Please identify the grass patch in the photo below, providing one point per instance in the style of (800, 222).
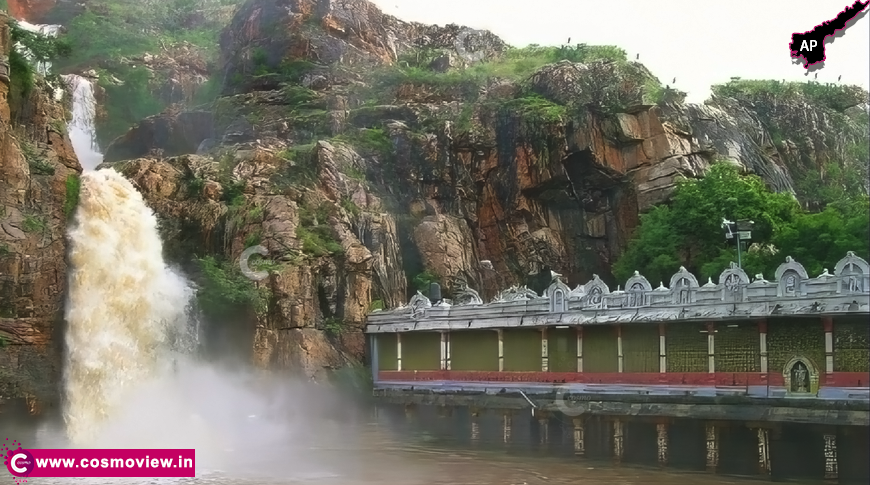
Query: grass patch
(71, 197)
(369, 141)
(333, 326)
(34, 224)
(318, 241)
(301, 169)
(349, 206)
(224, 290)
(536, 109)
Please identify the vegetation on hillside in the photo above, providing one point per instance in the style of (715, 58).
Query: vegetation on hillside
(225, 292)
(827, 124)
(514, 64)
(109, 34)
(837, 97)
(687, 231)
(109, 30)
(22, 65)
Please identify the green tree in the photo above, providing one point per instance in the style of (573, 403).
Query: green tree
(819, 240)
(688, 231)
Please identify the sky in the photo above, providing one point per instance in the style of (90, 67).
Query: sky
(700, 43)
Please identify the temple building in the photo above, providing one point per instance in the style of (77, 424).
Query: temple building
(769, 357)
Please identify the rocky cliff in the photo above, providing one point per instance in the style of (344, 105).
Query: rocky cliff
(370, 156)
(38, 189)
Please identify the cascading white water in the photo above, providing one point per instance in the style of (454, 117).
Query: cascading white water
(82, 129)
(126, 310)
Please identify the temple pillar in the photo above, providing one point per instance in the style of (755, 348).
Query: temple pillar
(618, 445)
(448, 350)
(832, 471)
(762, 345)
(500, 350)
(711, 346)
(506, 425)
(764, 451)
(579, 349)
(445, 342)
(828, 323)
(544, 427)
(620, 360)
(579, 444)
(663, 358)
(662, 443)
(545, 351)
(398, 351)
(475, 425)
(712, 433)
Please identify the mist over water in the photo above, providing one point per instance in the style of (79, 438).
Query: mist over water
(133, 378)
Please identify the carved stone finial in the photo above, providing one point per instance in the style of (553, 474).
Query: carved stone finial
(733, 265)
(636, 273)
(709, 283)
(467, 296)
(789, 259)
(661, 287)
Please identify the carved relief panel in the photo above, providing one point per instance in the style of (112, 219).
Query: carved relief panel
(790, 277)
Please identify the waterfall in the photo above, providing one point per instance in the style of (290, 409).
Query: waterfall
(82, 130)
(127, 309)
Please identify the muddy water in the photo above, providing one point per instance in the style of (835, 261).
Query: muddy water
(374, 456)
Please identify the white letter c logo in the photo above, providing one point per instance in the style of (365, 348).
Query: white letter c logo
(14, 463)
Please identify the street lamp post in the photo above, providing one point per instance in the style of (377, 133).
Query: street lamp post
(739, 231)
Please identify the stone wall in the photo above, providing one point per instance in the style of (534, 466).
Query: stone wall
(38, 179)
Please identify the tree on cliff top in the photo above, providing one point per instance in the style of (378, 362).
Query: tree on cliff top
(37, 48)
(688, 232)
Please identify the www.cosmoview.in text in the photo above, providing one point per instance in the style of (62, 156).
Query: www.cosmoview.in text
(102, 463)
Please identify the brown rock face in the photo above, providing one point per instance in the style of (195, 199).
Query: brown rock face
(319, 295)
(352, 32)
(171, 133)
(357, 193)
(36, 162)
(30, 10)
